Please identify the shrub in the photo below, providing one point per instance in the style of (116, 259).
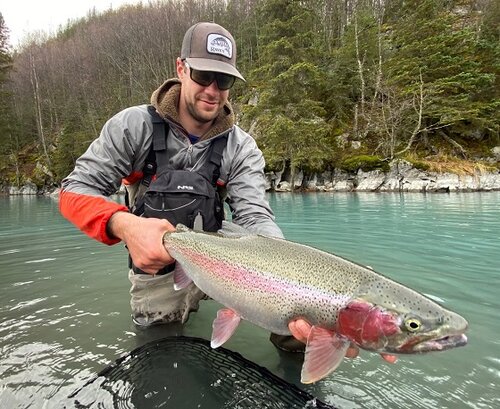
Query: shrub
(364, 162)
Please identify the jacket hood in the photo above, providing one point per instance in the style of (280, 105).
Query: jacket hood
(166, 101)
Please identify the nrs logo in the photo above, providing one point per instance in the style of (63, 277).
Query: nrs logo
(184, 187)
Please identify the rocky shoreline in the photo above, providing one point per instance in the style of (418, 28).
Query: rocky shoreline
(401, 177)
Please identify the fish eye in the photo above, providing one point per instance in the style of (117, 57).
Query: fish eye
(413, 324)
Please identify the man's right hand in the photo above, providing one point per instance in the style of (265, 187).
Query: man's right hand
(144, 239)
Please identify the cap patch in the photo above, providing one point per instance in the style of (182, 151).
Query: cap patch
(219, 44)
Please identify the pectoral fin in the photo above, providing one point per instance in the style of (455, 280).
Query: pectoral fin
(224, 326)
(324, 352)
(181, 279)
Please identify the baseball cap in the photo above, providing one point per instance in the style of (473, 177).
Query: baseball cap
(210, 47)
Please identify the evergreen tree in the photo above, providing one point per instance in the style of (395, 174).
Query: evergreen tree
(290, 117)
(5, 67)
(488, 51)
(434, 58)
(8, 135)
(353, 71)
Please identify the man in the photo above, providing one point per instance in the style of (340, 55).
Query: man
(195, 106)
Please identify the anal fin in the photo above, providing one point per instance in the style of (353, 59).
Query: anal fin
(224, 326)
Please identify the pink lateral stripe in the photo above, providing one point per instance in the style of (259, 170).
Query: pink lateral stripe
(255, 281)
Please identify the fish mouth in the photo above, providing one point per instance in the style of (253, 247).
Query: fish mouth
(441, 344)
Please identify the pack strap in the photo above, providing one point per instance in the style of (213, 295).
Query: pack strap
(158, 158)
(215, 160)
(160, 129)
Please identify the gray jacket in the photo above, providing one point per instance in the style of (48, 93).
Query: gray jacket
(123, 145)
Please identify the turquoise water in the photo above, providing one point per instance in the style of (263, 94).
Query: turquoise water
(64, 311)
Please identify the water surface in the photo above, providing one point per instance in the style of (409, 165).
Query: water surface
(64, 310)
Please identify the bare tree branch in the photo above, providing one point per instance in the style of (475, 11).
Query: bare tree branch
(418, 127)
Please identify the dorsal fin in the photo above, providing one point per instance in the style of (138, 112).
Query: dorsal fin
(180, 228)
(234, 230)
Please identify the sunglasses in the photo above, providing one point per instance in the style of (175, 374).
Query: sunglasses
(205, 78)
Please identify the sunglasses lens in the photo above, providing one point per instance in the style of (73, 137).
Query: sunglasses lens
(204, 78)
(225, 81)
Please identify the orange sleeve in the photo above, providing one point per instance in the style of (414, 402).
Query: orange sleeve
(90, 214)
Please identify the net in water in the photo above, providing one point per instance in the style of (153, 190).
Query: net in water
(184, 372)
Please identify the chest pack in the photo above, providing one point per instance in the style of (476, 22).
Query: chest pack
(180, 195)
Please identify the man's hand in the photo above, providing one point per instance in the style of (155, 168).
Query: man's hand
(143, 237)
(300, 329)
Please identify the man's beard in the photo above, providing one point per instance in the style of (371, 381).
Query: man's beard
(199, 117)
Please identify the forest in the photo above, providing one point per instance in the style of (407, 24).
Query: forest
(331, 84)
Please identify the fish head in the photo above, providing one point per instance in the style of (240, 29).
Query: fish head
(400, 327)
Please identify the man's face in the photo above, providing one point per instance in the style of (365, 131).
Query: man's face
(203, 103)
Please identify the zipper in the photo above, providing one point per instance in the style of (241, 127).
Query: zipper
(190, 154)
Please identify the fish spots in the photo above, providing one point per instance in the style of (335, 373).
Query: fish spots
(270, 281)
(240, 279)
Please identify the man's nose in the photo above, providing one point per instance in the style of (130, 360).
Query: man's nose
(213, 87)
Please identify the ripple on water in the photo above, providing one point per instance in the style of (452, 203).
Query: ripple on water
(369, 383)
(493, 367)
(37, 372)
(12, 251)
(42, 260)
(22, 283)
(25, 304)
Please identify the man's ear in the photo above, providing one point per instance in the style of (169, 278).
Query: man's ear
(180, 67)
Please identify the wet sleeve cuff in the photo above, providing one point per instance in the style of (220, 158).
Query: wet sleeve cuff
(90, 214)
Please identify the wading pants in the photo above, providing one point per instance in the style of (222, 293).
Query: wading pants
(154, 300)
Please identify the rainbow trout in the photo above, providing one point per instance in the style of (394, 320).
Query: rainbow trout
(270, 282)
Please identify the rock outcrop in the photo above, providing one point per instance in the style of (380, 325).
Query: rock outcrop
(401, 177)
